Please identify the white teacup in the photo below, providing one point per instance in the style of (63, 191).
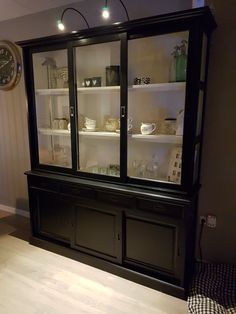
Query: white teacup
(90, 124)
(148, 128)
(89, 121)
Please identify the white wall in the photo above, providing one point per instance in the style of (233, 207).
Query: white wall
(14, 148)
(218, 175)
(44, 23)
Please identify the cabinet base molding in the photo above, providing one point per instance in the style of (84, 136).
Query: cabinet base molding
(114, 269)
(15, 211)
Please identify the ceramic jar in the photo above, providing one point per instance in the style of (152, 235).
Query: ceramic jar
(90, 124)
(147, 128)
(168, 126)
(111, 125)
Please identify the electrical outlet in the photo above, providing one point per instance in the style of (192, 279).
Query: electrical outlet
(211, 221)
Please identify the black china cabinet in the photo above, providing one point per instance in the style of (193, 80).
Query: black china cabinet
(115, 124)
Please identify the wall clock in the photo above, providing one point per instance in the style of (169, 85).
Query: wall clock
(10, 65)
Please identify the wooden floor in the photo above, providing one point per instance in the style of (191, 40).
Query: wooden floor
(34, 281)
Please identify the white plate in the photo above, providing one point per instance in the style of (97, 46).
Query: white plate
(89, 130)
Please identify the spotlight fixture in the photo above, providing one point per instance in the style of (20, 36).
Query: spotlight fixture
(106, 12)
(60, 24)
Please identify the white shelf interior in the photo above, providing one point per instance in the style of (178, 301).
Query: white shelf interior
(151, 103)
(100, 134)
(170, 139)
(53, 132)
(102, 89)
(161, 87)
(52, 91)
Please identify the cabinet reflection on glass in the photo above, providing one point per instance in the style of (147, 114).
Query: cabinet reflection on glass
(52, 107)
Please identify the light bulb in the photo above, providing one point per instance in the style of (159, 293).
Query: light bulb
(105, 13)
(60, 25)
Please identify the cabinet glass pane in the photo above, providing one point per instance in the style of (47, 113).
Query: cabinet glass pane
(98, 98)
(52, 107)
(156, 101)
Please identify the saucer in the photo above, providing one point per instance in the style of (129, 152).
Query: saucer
(89, 130)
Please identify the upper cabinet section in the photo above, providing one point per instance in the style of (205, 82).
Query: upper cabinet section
(159, 59)
(52, 107)
(122, 103)
(157, 68)
(98, 103)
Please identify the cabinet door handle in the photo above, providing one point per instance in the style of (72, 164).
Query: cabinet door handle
(72, 111)
(122, 111)
(118, 237)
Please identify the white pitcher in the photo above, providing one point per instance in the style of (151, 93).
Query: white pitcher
(147, 128)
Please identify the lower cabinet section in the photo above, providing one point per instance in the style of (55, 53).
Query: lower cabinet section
(143, 235)
(153, 243)
(52, 216)
(97, 230)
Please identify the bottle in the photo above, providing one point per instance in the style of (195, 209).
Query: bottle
(172, 70)
(181, 62)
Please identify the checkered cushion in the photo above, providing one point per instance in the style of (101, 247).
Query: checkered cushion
(213, 289)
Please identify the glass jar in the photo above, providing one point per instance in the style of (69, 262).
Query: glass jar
(168, 126)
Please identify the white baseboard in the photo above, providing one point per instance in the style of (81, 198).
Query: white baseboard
(15, 211)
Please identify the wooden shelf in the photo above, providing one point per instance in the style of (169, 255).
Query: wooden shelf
(160, 87)
(52, 92)
(95, 90)
(100, 134)
(168, 139)
(53, 132)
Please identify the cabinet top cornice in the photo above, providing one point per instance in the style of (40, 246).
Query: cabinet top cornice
(176, 20)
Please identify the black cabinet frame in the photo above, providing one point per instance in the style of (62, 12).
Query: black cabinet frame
(121, 206)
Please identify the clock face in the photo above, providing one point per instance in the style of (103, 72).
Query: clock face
(7, 66)
(10, 65)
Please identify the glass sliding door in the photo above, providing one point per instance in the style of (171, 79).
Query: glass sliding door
(98, 100)
(52, 107)
(156, 101)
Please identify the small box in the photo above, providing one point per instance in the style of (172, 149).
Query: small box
(96, 81)
(113, 75)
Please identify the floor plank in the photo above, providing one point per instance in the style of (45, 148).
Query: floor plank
(35, 281)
